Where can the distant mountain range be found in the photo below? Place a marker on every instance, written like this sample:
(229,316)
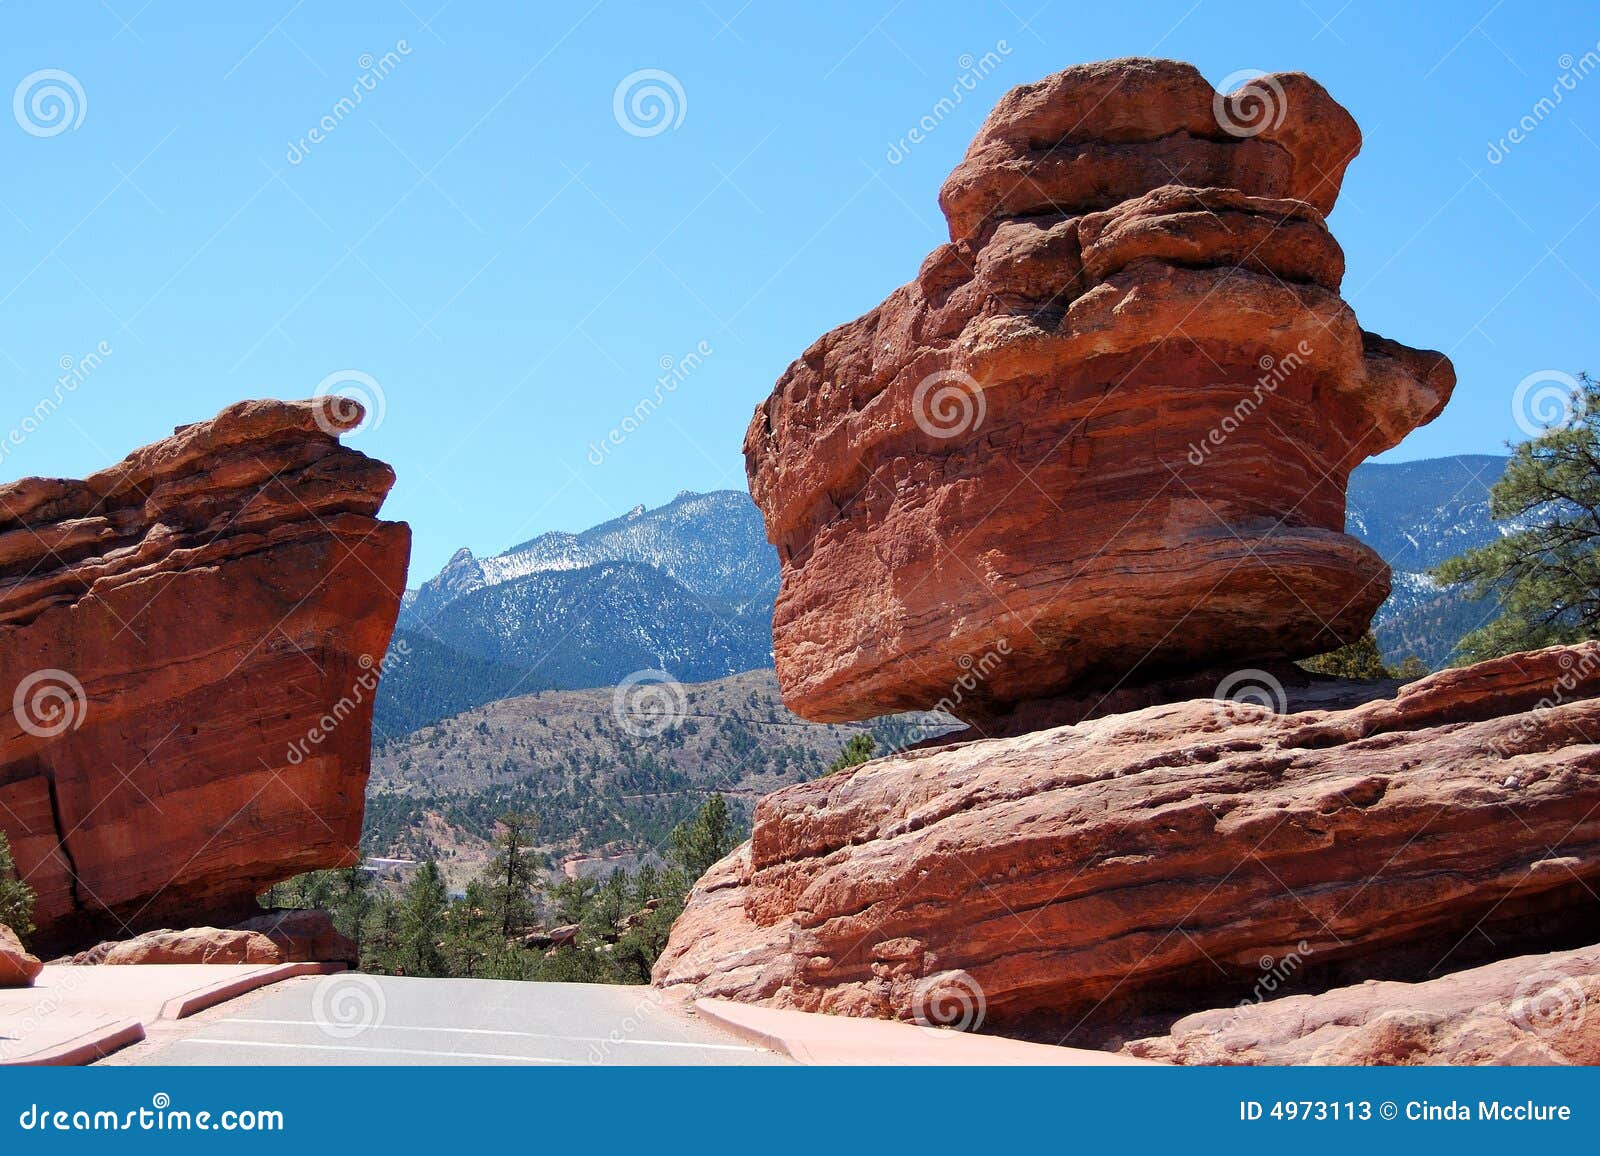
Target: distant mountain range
(688,588)
(1417,514)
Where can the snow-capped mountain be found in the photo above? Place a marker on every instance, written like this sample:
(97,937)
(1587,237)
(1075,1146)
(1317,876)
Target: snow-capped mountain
(1417,514)
(713,544)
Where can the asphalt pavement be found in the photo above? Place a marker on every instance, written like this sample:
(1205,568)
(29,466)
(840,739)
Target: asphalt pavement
(354,1018)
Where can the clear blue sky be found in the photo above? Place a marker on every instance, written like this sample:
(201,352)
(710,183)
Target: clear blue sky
(482,238)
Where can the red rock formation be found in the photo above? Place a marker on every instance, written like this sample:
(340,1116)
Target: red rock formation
(189,644)
(17,967)
(1536,1009)
(1104,436)
(194,945)
(1148,862)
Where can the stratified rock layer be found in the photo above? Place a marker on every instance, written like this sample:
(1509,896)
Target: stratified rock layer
(1104,436)
(189,646)
(1068,881)
(1535,1009)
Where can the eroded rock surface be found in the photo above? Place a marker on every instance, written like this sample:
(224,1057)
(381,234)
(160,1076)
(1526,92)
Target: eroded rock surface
(189,647)
(1536,1009)
(1067,881)
(1104,437)
(18,968)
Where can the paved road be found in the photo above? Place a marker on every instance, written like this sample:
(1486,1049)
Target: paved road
(363,1019)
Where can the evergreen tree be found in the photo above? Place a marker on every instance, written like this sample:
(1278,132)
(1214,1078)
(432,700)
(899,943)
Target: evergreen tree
(16,897)
(511,874)
(422,922)
(1360,659)
(472,937)
(698,844)
(857,750)
(1544,569)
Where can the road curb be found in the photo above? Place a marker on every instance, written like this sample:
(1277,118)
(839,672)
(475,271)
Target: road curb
(182,1006)
(811,1038)
(93,1045)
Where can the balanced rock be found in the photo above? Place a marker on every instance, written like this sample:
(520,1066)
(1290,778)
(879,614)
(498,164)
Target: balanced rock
(190,643)
(17,967)
(1153,863)
(1104,436)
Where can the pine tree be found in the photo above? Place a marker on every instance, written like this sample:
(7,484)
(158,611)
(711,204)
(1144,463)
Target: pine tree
(16,897)
(510,875)
(698,844)
(1544,568)
(422,922)
(471,938)
(857,750)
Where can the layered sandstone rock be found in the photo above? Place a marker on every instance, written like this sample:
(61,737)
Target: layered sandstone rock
(189,647)
(1152,862)
(193,945)
(17,967)
(1535,1009)
(1103,438)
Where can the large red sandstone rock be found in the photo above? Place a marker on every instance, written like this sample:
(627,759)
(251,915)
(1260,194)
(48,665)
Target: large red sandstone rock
(194,945)
(1146,863)
(191,640)
(1536,1009)
(1104,436)
(17,967)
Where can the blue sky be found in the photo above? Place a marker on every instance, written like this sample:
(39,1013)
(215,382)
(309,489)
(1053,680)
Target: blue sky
(483,239)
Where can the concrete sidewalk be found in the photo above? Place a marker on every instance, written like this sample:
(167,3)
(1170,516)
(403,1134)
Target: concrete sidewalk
(824,1039)
(76,1015)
